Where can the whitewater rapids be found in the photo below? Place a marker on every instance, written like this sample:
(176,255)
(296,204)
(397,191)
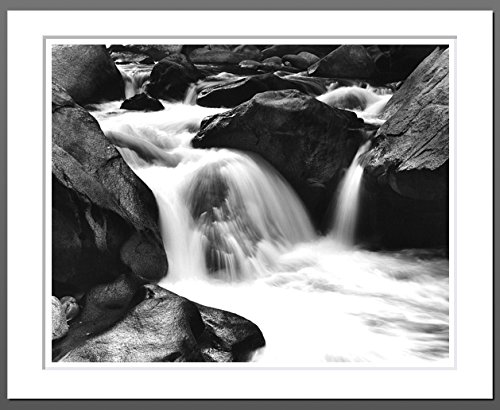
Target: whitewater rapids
(238,238)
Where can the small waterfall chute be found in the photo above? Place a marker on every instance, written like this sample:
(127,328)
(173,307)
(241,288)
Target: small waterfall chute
(346,212)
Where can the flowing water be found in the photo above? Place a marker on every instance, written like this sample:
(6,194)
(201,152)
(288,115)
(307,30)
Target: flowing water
(238,238)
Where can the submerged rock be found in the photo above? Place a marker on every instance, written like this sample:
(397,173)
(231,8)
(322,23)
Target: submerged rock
(409,161)
(163,327)
(98,204)
(142,102)
(347,61)
(307,141)
(171,77)
(87,73)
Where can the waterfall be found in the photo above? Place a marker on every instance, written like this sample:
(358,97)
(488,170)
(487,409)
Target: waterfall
(346,213)
(238,238)
(134,77)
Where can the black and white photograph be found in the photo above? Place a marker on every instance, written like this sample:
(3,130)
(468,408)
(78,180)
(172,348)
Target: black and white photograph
(277,204)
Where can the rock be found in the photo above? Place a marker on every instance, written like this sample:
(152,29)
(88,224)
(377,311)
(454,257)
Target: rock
(59,325)
(282,49)
(273,62)
(164,327)
(235,92)
(296,61)
(142,102)
(87,73)
(309,57)
(252,52)
(409,162)
(70,307)
(222,56)
(347,61)
(307,141)
(171,77)
(251,64)
(98,204)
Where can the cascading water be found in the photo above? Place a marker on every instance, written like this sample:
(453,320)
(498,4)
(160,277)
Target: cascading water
(346,213)
(238,238)
(134,78)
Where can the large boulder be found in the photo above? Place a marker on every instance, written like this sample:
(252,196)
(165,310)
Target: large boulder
(234,92)
(307,141)
(171,78)
(161,327)
(408,166)
(87,73)
(347,61)
(103,216)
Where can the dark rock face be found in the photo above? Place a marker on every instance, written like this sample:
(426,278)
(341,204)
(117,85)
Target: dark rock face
(162,327)
(142,102)
(233,93)
(171,77)
(347,61)
(409,161)
(98,205)
(87,73)
(307,141)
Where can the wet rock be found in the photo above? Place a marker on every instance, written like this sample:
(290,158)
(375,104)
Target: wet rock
(164,327)
(347,61)
(142,102)
(98,203)
(171,78)
(87,73)
(307,141)
(409,161)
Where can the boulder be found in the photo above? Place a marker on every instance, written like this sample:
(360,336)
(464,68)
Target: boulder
(142,102)
(87,73)
(307,141)
(309,57)
(171,77)
(347,61)
(296,61)
(59,324)
(165,327)
(235,92)
(408,164)
(98,205)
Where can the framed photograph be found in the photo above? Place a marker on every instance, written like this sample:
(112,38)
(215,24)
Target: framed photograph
(304,209)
